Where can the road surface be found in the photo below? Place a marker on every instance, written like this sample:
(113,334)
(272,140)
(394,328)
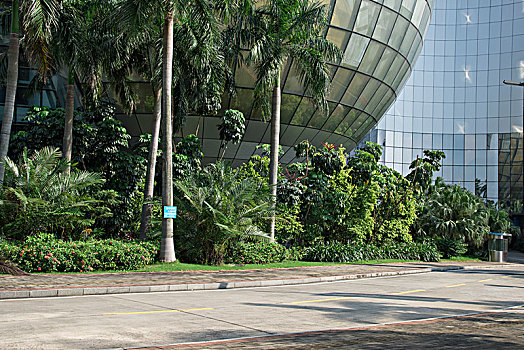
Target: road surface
(139,320)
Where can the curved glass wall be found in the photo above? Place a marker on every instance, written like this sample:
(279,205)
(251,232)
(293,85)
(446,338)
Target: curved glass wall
(455,100)
(381,40)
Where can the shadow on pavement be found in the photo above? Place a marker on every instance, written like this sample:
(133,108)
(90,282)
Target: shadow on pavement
(493,331)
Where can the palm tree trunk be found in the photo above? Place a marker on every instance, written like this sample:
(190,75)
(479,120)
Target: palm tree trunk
(10,94)
(67,144)
(167,247)
(275,143)
(145,221)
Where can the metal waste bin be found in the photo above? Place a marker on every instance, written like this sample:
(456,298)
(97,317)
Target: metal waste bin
(498,245)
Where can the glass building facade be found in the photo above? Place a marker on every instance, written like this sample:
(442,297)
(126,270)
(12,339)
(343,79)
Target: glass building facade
(455,100)
(26,96)
(380,39)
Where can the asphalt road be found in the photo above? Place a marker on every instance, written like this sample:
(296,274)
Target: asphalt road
(134,320)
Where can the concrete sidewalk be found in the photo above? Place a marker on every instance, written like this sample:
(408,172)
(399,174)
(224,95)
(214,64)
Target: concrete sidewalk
(52,285)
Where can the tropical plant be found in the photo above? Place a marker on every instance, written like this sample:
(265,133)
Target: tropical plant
(39,197)
(278,31)
(422,170)
(193,64)
(187,160)
(232,129)
(36,18)
(454,213)
(100,144)
(216,207)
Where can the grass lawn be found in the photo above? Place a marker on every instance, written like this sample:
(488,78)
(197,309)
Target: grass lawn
(177,266)
(158,267)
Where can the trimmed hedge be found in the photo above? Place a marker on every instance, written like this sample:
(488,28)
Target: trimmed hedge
(340,252)
(259,253)
(44,253)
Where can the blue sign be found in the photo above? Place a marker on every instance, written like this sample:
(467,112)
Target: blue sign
(169,212)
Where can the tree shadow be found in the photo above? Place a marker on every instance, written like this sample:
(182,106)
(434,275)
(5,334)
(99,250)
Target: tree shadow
(499,331)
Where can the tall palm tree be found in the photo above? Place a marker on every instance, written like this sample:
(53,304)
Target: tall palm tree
(280,30)
(137,48)
(66,47)
(193,66)
(36,18)
(187,67)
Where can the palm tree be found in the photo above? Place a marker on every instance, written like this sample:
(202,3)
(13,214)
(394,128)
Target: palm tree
(454,213)
(36,19)
(66,45)
(138,51)
(278,31)
(193,67)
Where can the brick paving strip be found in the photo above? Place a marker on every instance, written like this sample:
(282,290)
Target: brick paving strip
(498,329)
(52,285)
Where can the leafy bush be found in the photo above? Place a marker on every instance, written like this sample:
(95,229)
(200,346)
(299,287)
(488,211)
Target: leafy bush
(188,157)
(39,196)
(450,247)
(454,213)
(45,253)
(101,145)
(256,253)
(217,207)
(347,252)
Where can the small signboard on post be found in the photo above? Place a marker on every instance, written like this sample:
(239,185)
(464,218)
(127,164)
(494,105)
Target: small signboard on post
(169,212)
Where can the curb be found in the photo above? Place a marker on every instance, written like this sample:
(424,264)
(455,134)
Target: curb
(111,289)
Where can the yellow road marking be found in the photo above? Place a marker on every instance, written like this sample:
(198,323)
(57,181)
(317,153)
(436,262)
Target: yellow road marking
(320,300)
(456,285)
(487,279)
(409,291)
(155,312)
(506,276)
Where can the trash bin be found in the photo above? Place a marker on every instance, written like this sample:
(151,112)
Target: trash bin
(498,245)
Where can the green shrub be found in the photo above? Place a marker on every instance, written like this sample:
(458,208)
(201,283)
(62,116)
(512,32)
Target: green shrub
(450,247)
(100,145)
(38,196)
(44,253)
(346,252)
(260,253)
(216,208)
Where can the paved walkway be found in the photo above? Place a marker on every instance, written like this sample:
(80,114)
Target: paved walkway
(49,285)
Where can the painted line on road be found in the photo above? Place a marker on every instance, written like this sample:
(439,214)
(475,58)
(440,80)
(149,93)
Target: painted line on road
(321,300)
(487,279)
(155,312)
(409,291)
(456,285)
(506,276)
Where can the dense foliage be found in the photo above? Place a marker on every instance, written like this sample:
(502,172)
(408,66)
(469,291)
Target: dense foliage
(45,253)
(259,253)
(330,205)
(452,213)
(216,207)
(101,145)
(343,252)
(39,196)
(346,199)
